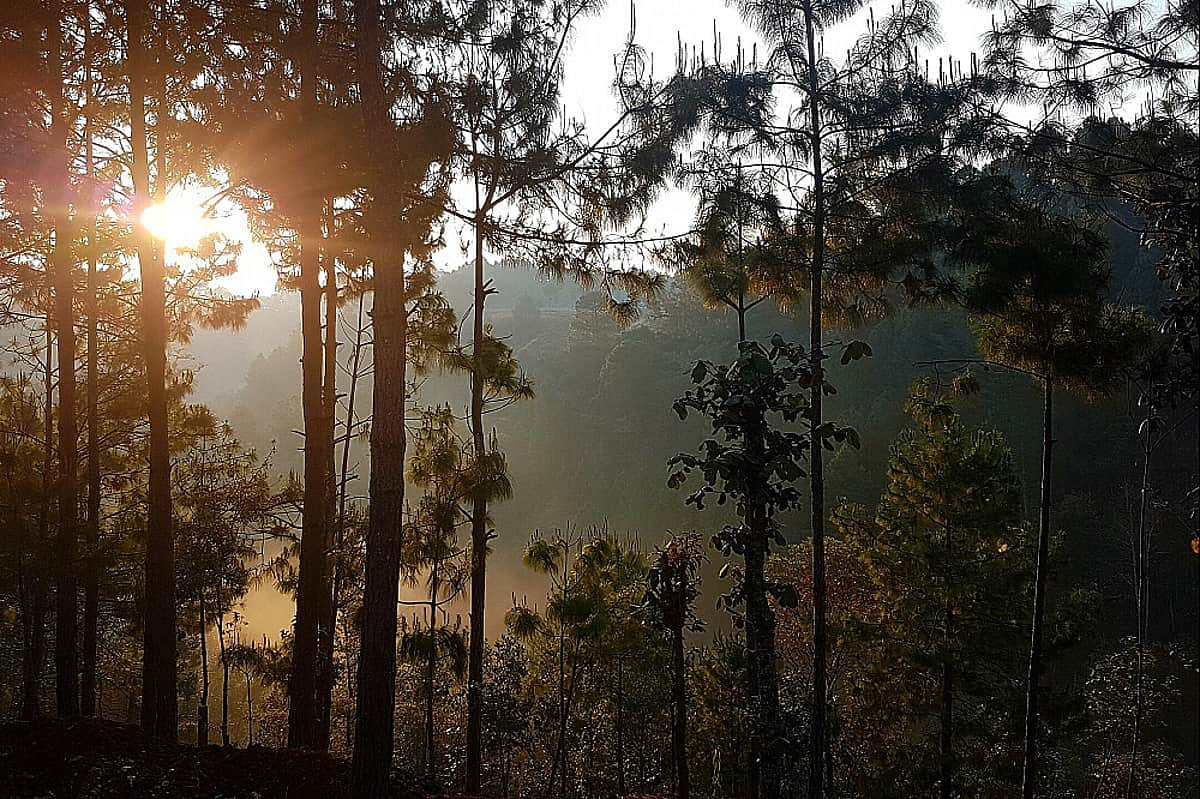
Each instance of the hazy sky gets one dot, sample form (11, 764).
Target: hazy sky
(587, 95)
(660, 26)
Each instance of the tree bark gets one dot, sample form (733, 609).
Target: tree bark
(35, 636)
(679, 697)
(946, 752)
(66, 632)
(816, 465)
(760, 643)
(479, 509)
(1029, 777)
(312, 585)
(328, 624)
(431, 672)
(202, 705)
(374, 718)
(1141, 593)
(224, 675)
(159, 669)
(91, 590)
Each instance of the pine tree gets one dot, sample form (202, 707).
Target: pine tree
(159, 713)
(944, 551)
(1037, 297)
(398, 225)
(860, 153)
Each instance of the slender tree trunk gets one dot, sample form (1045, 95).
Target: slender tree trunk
(340, 523)
(202, 706)
(562, 676)
(760, 643)
(946, 746)
(479, 510)
(947, 722)
(159, 711)
(328, 624)
(351, 397)
(224, 669)
(560, 755)
(620, 726)
(35, 646)
(1141, 591)
(66, 631)
(679, 697)
(431, 673)
(374, 720)
(1030, 769)
(249, 711)
(816, 464)
(312, 585)
(224, 683)
(91, 590)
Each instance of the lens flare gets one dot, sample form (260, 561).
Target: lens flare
(177, 222)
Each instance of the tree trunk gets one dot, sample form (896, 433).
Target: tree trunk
(679, 697)
(620, 726)
(946, 753)
(312, 585)
(328, 624)
(1030, 772)
(344, 476)
(374, 719)
(560, 752)
(66, 643)
(224, 693)
(478, 523)
(202, 706)
(340, 522)
(249, 712)
(431, 674)
(562, 676)
(1141, 592)
(760, 643)
(91, 590)
(224, 671)
(159, 712)
(817, 465)
(35, 645)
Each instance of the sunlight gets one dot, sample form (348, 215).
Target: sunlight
(178, 221)
(185, 218)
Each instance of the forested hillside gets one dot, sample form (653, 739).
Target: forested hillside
(813, 411)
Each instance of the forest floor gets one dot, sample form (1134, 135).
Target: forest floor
(57, 759)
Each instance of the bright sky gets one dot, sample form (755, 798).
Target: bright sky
(587, 95)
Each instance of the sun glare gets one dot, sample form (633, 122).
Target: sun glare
(181, 222)
(178, 222)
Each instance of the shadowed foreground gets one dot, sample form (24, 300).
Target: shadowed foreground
(89, 758)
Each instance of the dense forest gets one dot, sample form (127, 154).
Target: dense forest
(815, 416)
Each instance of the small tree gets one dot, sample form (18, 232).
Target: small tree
(944, 557)
(754, 459)
(595, 582)
(1037, 297)
(672, 586)
(438, 465)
